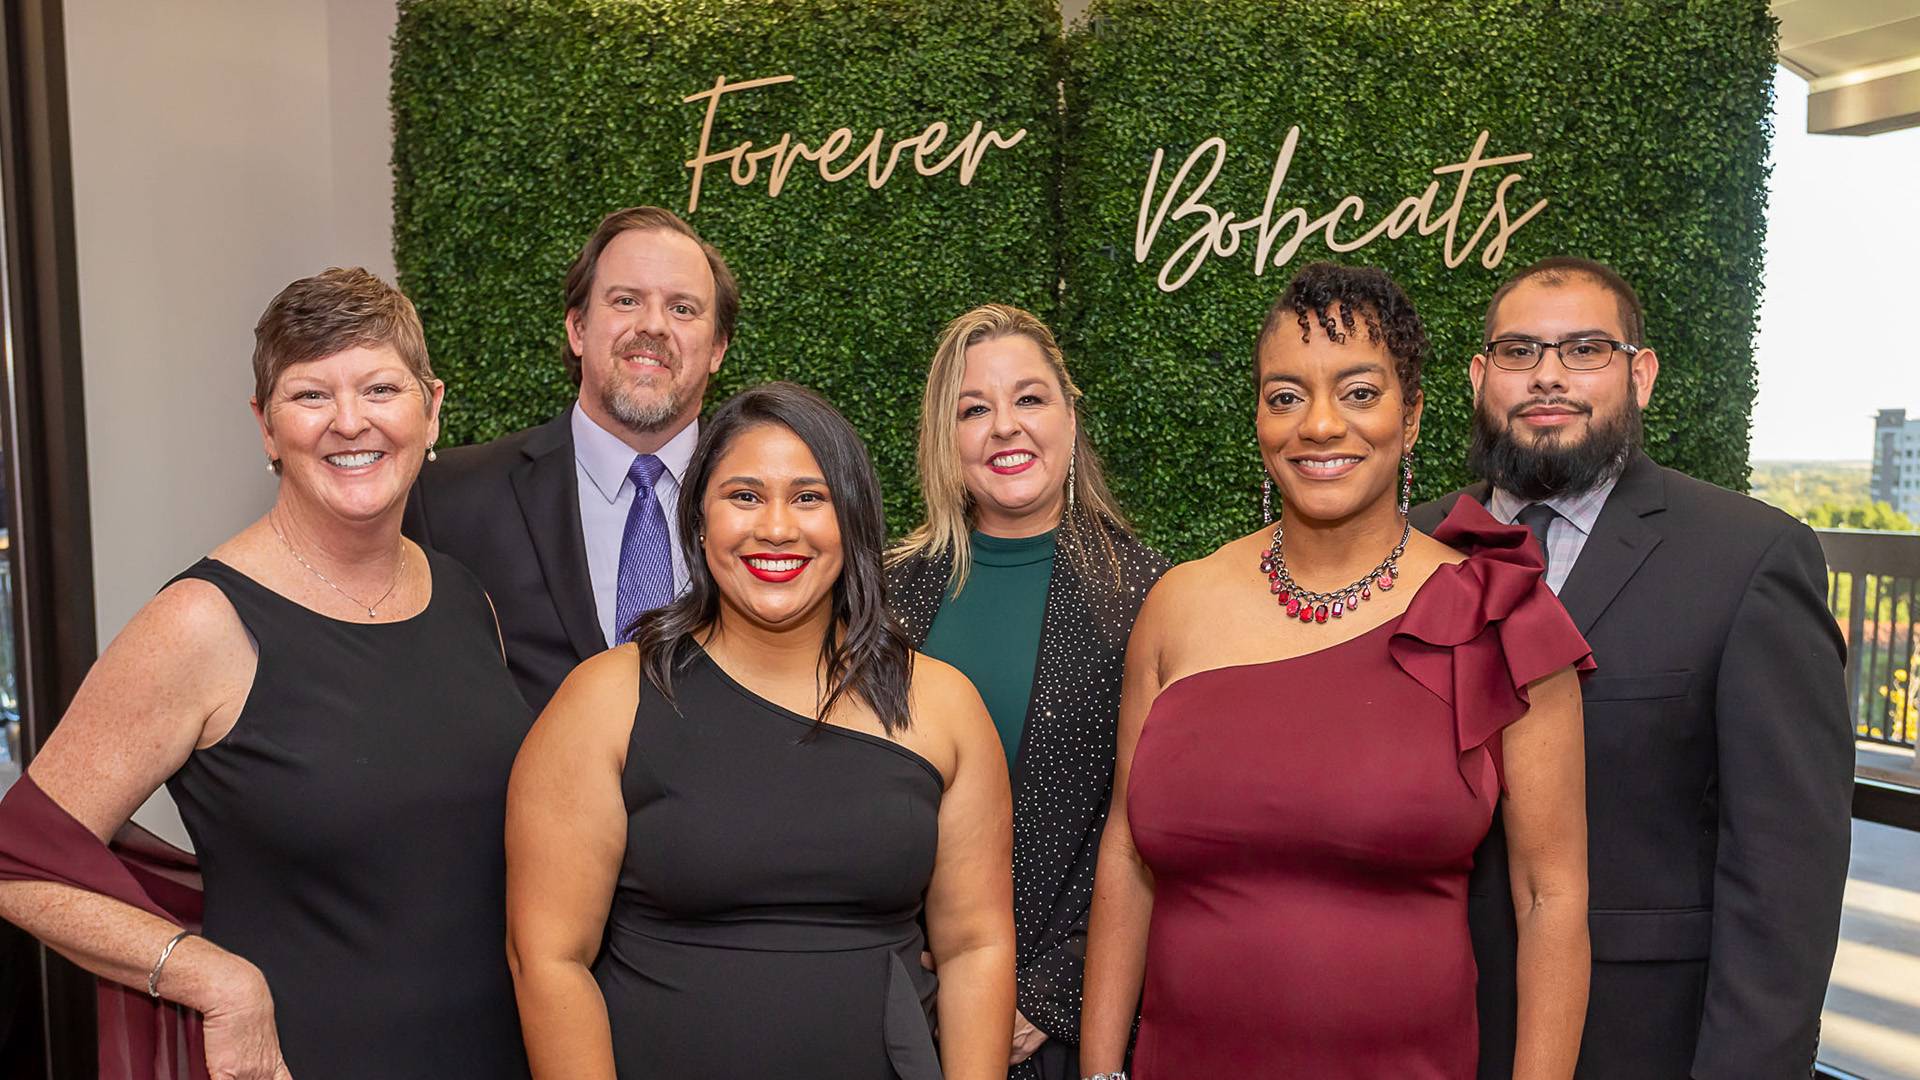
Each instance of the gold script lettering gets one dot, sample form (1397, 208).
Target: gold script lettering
(743, 162)
(1218, 234)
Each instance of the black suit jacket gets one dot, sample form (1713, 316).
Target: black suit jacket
(1719, 790)
(510, 510)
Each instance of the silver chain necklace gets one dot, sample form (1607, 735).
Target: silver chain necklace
(372, 609)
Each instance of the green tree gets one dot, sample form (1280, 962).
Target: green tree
(1872, 515)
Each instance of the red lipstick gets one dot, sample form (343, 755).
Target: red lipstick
(791, 566)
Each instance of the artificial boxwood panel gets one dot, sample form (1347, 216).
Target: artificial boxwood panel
(519, 123)
(1648, 123)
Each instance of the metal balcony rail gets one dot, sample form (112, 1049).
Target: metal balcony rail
(1873, 590)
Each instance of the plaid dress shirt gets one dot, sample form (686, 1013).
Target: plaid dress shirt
(1568, 533)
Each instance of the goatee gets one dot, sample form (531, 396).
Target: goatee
(641, 413)
(1553, 465)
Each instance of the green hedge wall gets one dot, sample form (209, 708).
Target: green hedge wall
(518, 123)
(1648, 123)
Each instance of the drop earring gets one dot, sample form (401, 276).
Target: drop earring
(1071, 458)
(1406, 482)
(1266, 499)
(273, 466)
(432, 454)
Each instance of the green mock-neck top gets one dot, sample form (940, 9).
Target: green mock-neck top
(990, 630)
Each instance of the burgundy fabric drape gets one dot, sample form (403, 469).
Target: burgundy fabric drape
(140, 1038)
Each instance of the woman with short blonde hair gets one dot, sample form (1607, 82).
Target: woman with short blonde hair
(1027, 577)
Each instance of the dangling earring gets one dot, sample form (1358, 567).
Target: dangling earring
(432, 454)
(273, 467)
(1071, 458)
(1266, 499)
(1406, 482)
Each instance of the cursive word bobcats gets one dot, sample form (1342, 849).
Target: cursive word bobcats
(1219, 234)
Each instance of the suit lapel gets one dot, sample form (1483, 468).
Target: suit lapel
(548, 491)
(1621, 541)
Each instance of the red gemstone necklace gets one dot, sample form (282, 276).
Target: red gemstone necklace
(1314, 607)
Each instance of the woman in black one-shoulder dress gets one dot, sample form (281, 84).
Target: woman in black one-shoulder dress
(755, 804)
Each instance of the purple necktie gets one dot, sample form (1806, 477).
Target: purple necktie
(646, 560)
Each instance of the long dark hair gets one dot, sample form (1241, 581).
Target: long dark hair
(865, 653)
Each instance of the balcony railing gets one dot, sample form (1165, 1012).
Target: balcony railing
(1873, 589)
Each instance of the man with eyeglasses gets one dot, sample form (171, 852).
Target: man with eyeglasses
(1719, 743)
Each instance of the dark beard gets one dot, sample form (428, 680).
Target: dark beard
(1553, 466)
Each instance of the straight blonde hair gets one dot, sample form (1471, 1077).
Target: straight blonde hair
(1090, 514)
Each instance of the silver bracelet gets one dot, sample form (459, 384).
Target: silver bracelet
(1107, 1076)
(153, 977)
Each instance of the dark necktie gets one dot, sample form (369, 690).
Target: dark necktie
(1538, 517)
(646, 558)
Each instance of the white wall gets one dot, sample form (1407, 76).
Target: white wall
(221, 148)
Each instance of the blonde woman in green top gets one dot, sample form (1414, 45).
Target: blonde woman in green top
(1027, 578)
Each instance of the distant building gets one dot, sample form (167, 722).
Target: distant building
(1896, 462)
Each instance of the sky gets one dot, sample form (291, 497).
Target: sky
(1840, 304)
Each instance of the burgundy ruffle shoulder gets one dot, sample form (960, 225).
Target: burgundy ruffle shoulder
(1480, 631)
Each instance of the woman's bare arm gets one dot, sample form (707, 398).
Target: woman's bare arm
(172, 681)
(566, 836)
(970, 899)
(1545, 811)
(1122, 884)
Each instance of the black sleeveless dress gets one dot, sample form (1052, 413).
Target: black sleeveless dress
(766, 921)
(350, 830)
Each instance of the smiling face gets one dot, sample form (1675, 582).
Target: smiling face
(772, 538)
(1551, 429)
(1014, 430)
(350, 430)
(647, 335)
(1332, 423)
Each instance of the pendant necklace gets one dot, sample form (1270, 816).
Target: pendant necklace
(372, 609)
(1315, 607)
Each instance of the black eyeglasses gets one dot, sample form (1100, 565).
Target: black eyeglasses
(1578, 354)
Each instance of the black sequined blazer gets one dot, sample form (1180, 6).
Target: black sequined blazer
(1063, 772)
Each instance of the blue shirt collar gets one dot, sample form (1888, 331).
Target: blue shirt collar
(605, 459)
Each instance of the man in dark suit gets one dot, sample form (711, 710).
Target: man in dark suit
(570, 525)
(1719, 744)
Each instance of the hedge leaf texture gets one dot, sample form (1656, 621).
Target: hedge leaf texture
(518, 123)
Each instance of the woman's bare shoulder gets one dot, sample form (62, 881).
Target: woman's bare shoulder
(607, 678)
(1197, 584)
(938, 683)
(188, 619)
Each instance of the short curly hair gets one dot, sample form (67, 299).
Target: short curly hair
(1366, 296)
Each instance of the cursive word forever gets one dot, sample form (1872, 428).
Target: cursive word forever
(781, 157)
(1220, 234)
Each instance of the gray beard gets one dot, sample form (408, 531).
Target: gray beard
(641, 416)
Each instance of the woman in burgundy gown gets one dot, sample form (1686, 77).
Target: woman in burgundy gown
(1317, 723)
